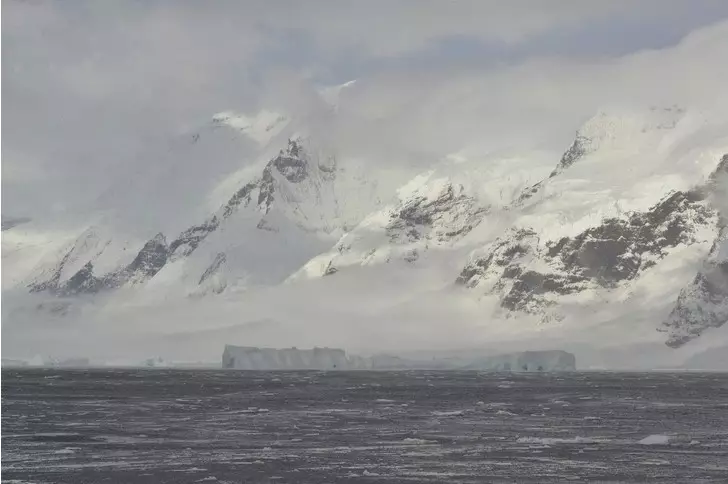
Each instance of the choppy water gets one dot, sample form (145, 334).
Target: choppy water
(174, 426)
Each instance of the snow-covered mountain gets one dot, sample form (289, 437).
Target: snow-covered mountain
(626, 212)
(624, 229)
(288, 210)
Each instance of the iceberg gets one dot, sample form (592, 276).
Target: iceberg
(254, 358)
(551, 361)
(526, 361)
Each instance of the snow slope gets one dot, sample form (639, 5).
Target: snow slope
(621, 237)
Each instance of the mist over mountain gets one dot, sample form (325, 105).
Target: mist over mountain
(553, 200)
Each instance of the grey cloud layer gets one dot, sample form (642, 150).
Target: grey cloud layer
(90, 86)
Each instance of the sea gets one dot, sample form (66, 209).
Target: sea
(229, 426)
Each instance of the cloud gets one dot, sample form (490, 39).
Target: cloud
(97, 94)
(90, 86)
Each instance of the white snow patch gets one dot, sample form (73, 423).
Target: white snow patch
(261, 127)
(556, 440)
(655, 439)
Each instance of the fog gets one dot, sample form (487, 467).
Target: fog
(98, 95)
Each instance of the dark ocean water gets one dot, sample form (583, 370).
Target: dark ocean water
(179, 426)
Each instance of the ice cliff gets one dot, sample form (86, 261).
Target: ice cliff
(253, 358)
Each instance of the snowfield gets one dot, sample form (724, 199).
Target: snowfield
(620, 239)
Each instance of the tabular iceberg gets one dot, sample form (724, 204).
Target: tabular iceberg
(527, 361)
(254, 358)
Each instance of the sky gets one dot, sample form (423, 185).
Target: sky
(90, 89)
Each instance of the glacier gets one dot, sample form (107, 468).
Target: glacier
(479, 250)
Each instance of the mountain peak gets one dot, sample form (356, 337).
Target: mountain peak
(261, 127)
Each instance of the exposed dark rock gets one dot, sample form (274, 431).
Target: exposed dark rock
(577, 150)
(613, 251)
(219, 260)
(574, 153)
(703, 303)
(529, 192)
(150, 259)
(187, 241)
(292, 163)
(267, 188)
(450, 216)
(500, 254)
(242, 196)
(330, 269)
(720, 171)
(601, 256)
(51, 284)
(82, 281)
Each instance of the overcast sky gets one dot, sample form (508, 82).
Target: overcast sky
(88, 87)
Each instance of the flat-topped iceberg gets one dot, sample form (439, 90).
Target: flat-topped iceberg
(528, 361)
(254, 358)
(552, 360)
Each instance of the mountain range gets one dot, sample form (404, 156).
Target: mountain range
(626, 230)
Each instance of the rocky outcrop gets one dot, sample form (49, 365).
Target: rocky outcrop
(187, 241)
(435, 214)
(292, 163)
(150, 260)
(220, 259)
(703, 304)
(82, 281)
(605, 130)
(529, 274)
(52, 283)
(449, 215)
(242, 197)
(579, 148)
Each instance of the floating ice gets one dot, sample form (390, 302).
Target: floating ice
(253, 358)
(655, 440)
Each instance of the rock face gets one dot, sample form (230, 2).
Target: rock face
(297, 185)
(435, 214)
(150, 260)
(447, 215)
(529, 274)
(529, 271)
(703, 304)
(623, 228)
(253, 358)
